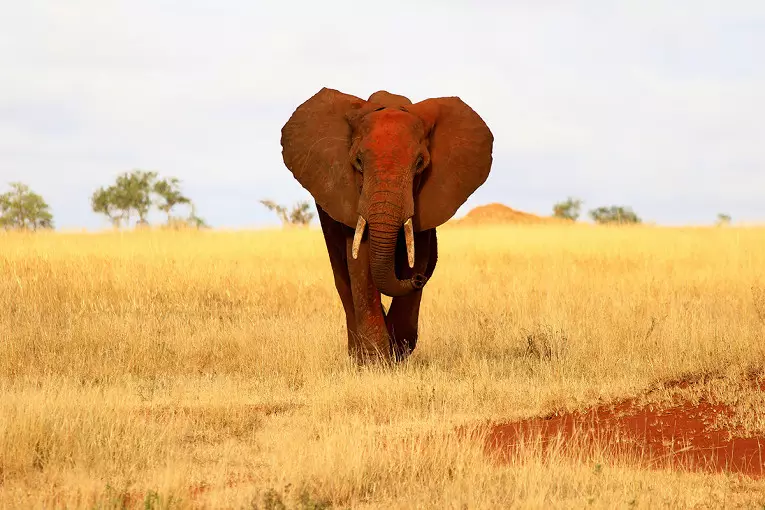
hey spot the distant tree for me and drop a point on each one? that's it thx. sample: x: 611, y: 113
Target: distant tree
x: 569, y: 209
x: 135, y: 188
x: 300, y: 214
x: 135, y: 193
x: 21, y: 208
x: 194, y: 220
x: 614, y: 214
x: 280, y: 210
x: 170, y: 194
x: 723, y: 219
x: 104, y: 201
x: 131, y: 193
x: 191, y: 221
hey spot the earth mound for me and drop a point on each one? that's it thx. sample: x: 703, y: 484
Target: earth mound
x: 497, y: 213
x: 689, y: 435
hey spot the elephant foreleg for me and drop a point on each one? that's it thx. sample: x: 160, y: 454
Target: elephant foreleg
x: 403, y: 316
x: 371, y: 337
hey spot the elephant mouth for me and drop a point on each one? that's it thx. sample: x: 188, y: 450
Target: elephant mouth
x: 361, y: 226
x: 391, y: 256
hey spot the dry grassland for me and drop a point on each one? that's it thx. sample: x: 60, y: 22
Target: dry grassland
x: 209, y: 369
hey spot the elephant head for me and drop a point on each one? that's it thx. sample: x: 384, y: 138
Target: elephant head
x: 386, y: 163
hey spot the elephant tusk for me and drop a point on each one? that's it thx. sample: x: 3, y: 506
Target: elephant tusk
x: 360, y: 226
x: 409, y: 234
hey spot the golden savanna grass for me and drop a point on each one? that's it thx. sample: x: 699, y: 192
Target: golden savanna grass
x: 208, y: 369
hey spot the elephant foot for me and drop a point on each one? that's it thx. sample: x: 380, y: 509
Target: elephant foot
x: 402, y: 343
x: 401, y: 352
x: 401, y: 322
x: 371, y: 346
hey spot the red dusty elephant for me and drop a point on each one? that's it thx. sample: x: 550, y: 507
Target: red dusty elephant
x: 384, y: 174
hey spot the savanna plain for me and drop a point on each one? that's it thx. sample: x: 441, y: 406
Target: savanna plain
x: 208, y: 369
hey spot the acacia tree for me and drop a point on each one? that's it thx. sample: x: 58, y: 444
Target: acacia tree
x: 21, y: 208
x: 104, y: 202
x: 614, y: 214
x: 569, y: 209
x: 280, y: 210
x: 134, y: 193
x: 170, y: 193
x: 131, y: 193
x: 136, y: 188
x: 300, y: 214
x: 194, y: 220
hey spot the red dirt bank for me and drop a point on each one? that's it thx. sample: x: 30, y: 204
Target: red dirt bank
x: 683, y: 436
x: 496, y: 213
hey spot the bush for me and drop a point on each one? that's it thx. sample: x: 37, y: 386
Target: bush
x: 614, y: 214
x: 568, y: 209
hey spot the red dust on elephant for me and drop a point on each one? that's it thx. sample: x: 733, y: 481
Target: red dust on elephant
x: 384, y: 174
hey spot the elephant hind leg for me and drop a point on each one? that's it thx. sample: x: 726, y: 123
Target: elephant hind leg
x: 401, y: 322
x: 335, y: 235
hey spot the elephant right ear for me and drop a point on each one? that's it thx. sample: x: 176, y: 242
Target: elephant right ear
x: 316, y: 142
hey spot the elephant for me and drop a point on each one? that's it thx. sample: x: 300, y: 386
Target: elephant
x: 384, y: 173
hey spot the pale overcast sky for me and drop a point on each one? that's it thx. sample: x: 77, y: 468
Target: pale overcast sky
x: 654, y: 104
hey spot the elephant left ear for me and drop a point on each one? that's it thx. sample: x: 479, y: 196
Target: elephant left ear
x: 460, y: 159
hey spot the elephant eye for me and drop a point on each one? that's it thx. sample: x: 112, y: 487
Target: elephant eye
x: 357, y: 164
x: 418, y: 164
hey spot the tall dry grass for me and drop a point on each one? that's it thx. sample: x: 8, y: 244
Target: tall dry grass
x: 185, y: 369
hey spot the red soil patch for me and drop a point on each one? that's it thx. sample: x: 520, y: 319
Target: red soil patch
x: 498, y: 214
x: 683, y: 435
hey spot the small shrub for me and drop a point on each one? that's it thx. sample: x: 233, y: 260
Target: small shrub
x: 569, y: 209
x: 614, y: 214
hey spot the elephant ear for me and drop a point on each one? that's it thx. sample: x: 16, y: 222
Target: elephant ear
x: 460, y: 158
x: 316, y: 141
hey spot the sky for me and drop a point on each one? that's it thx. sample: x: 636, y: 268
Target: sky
x: 650, y: 104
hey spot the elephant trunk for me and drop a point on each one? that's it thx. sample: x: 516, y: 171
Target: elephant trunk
x: 384, y: 228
